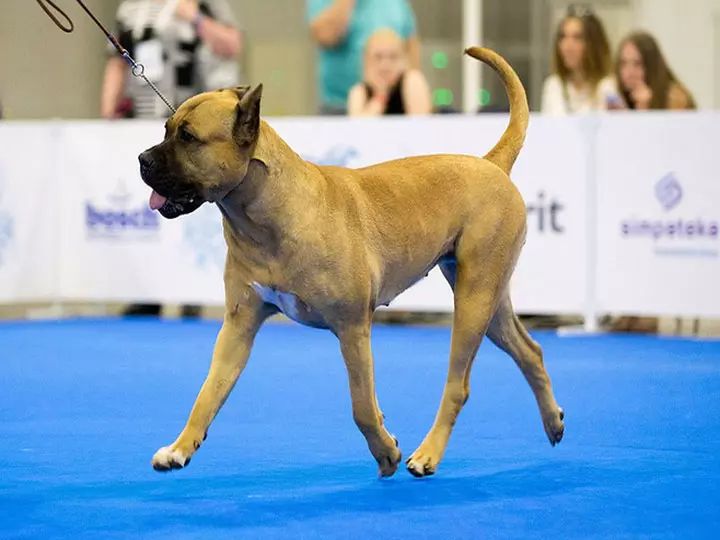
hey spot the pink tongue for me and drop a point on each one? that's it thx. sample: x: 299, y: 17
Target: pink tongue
x: 157, y: 200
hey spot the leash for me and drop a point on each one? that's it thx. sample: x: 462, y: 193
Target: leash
x: 67, y: 26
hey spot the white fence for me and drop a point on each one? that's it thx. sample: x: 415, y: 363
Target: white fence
x: 624, y: 211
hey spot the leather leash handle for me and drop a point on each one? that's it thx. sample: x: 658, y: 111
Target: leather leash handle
x: 46, y: 5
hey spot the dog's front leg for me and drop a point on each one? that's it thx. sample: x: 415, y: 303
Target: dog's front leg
x: 356, y: 350
x: 232, y: 349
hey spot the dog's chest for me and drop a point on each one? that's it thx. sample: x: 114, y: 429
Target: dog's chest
x: 290, y: 305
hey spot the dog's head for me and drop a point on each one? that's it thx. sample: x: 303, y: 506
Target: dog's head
x: 208, y: 145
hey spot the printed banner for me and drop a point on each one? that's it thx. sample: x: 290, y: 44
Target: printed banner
x: 114, y: 248
x: 29, y: 212
x: 659, y: 214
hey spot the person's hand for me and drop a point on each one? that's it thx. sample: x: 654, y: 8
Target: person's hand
x: 108, y: 111
x: 642, y: 95
x: 187, y: 10
x: 380, y: 88
x: 614, y: 103
x: 108, y: 114
x: 380, y: 93
x: 376, y: 104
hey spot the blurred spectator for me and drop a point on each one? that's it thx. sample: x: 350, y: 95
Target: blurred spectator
x: 388, y: 86
x: 582, y: 80
x: 646, y: 82
x: 186, y: 47
x: 644, y: 77
x: 340, y: 28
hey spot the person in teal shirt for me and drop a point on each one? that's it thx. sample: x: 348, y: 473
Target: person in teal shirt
x: 341, y: 28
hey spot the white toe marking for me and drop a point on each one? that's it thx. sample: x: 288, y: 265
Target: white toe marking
x: 167, y: 456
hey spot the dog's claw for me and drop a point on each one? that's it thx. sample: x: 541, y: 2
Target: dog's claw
x: 411, y: 469
x: 422, y: 463
x: 555, y: 429
x: 427, y: 470
x: 388, y: 462
x: 388, y: 465
x: 167, y: 459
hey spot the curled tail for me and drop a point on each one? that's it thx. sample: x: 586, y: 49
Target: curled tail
x: 506, y: 151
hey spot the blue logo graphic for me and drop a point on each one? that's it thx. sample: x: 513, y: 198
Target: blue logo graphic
x: 203, y: 234
x: 339, y: 155
x: 118, y: 217
x: 7, y: 226
x: 678, y: 235
x: 668, y: 191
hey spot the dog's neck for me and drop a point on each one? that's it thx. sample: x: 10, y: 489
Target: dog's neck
x: 256, y: 210
x: 277, y: 155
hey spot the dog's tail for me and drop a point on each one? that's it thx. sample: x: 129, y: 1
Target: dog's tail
x: 506, y: 151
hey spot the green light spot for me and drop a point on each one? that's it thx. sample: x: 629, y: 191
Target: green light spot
x: 439, y: 60
x: 442, y: 96
x: 483, y: 97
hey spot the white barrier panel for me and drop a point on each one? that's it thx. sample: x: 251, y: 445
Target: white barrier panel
x: 659, y: 214
x: 115, y: 249
x: 75, y: 225
x: 29, y: 212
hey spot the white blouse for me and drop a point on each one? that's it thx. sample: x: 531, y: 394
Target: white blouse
x: 559, y: 101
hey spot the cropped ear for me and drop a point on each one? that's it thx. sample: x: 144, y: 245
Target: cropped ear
x: 247, y: 117
x: 240, y: 91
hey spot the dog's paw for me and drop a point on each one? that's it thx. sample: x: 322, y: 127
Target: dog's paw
x: 554, y: 426
x: 423, y: 462
x: 168, y: 458
x: 389, y: 459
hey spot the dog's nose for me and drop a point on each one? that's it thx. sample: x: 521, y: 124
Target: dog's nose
x: 145, y: 159
x: 145, y: 162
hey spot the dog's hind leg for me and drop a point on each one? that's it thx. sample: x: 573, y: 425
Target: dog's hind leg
x: 485, y: 255
x: 357, y: 353
x: 507, y: 332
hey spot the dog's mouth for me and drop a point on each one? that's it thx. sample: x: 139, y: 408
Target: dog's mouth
x: 175, y: 206
x: 169, y: 197
x: 157, y: 201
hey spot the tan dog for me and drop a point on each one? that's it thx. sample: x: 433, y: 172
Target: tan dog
x: 327, y: 245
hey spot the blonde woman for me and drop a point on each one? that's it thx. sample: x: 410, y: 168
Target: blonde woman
x: 388, y: 86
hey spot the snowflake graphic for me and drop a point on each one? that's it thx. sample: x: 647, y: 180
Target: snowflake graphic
x: 6, y: 233
x: 203, y: 233
x: 6, y: 225
x: 340, y: 155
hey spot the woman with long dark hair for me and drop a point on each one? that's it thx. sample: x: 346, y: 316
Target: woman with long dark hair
x: 644, y: 78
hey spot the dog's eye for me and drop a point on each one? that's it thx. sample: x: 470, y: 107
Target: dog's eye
x: 186, y: 136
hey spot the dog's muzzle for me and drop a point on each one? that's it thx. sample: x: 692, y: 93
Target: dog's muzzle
x: 170, y: 198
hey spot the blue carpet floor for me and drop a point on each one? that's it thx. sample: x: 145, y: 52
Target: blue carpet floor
x: 85, y: 404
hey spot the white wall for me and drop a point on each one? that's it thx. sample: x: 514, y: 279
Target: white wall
x: 686, y: 30
x: 716, y: 60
